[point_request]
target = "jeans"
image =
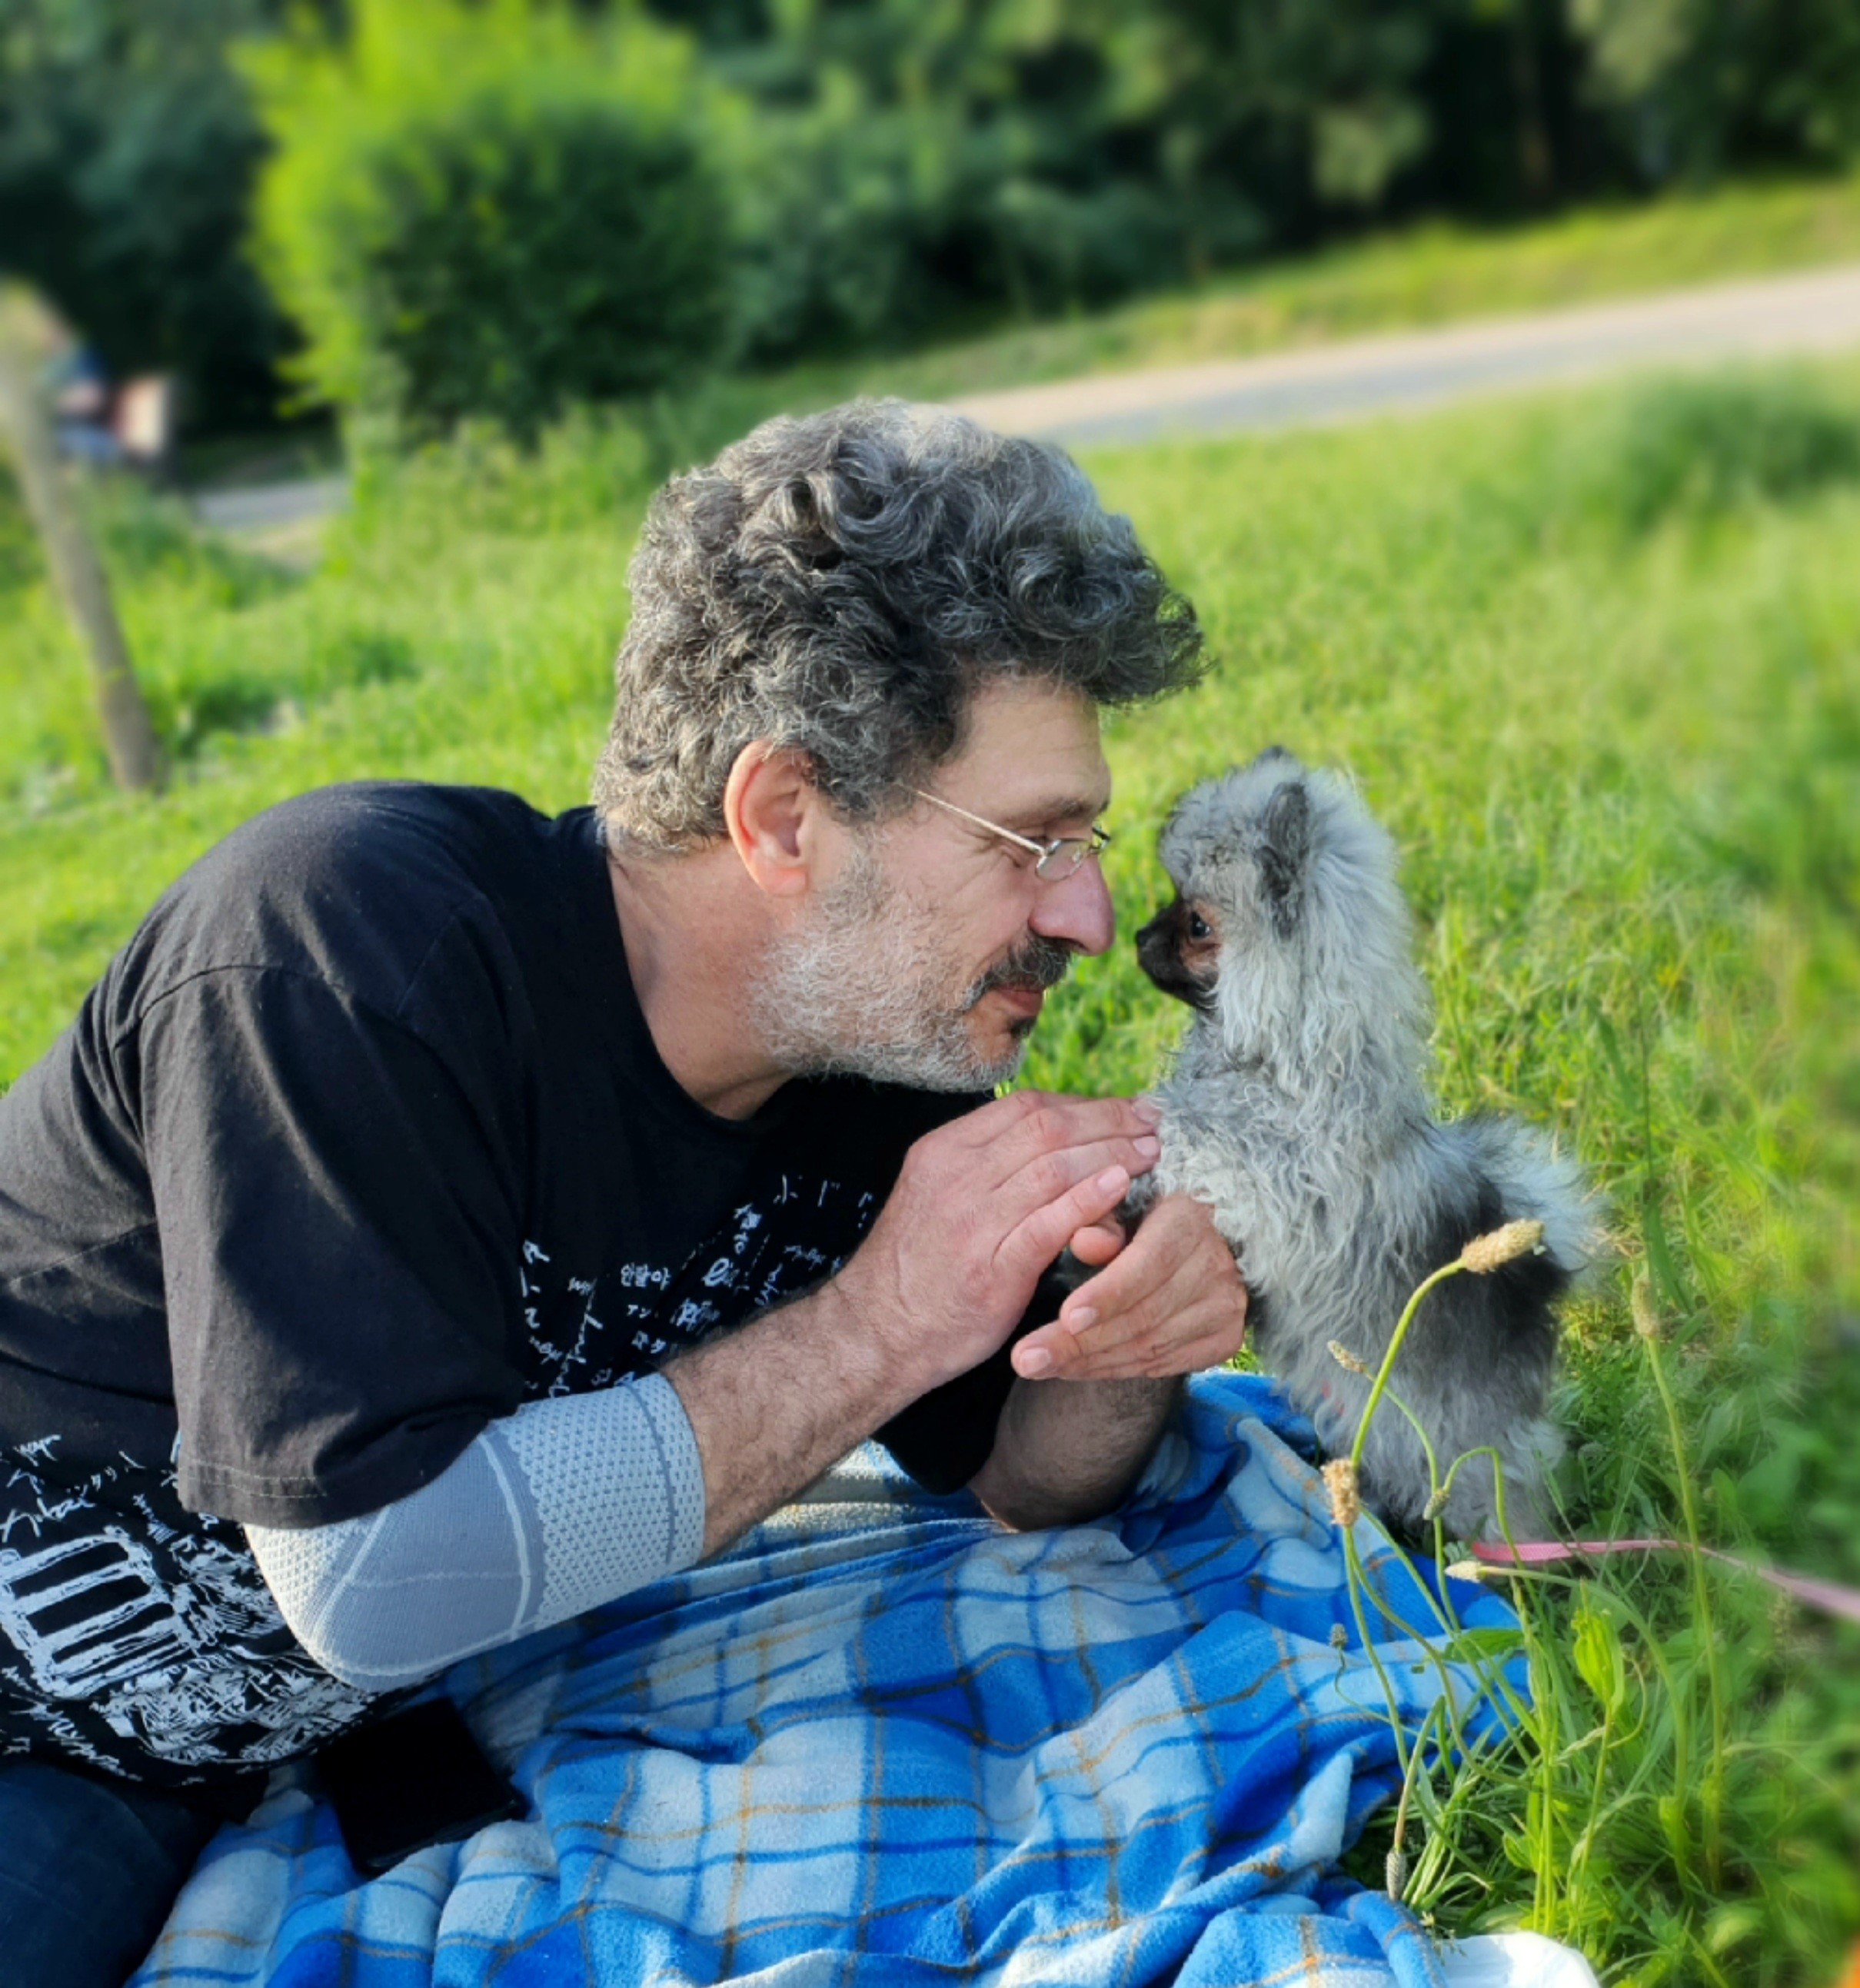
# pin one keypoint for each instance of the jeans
(88, 1871)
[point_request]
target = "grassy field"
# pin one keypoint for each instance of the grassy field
(1596, 659)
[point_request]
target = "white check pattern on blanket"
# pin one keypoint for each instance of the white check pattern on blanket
(885, 1742)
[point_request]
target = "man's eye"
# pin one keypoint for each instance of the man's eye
(1198, 927)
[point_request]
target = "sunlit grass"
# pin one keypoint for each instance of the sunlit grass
(1620, 748)
(1617, 738)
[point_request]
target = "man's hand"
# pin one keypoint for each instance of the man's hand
(982, 1205)
(1169, 1300)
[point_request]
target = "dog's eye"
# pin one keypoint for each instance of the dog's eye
(1198, 927)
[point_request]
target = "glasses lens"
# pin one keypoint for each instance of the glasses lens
(1062, 859)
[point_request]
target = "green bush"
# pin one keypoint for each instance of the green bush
(894, 171)
(1684, 451)
(490, 211)
(1708, 445)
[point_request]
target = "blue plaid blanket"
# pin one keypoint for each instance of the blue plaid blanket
(883, 1742)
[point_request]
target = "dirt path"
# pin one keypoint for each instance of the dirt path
(1772, 317)
(267, 506)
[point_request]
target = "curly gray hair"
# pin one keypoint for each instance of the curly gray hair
(841, 584)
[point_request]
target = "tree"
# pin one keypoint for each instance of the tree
(1699, 86)
(127, 150)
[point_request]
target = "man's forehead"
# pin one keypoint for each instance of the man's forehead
(1032, 753)
(1036, 810)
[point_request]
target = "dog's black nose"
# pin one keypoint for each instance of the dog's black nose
(1160, 958)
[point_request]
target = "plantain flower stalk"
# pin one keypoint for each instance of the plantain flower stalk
(1484, 1254)
(1346, 1500)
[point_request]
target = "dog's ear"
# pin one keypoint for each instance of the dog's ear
(1284, 850)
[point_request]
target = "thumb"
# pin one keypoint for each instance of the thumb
(1097, 1245)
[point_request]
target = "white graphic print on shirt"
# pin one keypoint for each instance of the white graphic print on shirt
(140, 1637)
(170, 1639)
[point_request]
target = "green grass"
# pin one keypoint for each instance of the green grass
(1595, 658)
(1603, 679)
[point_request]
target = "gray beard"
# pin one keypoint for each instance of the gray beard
(860, 991)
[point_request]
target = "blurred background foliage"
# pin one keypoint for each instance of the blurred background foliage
(447, 196)
(128, 151)
(489, 210)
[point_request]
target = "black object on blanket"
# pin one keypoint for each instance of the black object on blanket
(415, 1778)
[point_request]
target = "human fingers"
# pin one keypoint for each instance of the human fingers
(1173, 1284)
(1042, 1232)
(1208, 1334)
(1164, 1270)
(1129, 1335)
(1178, 1258)
(1004, 1136)
(953, 1259)
(1212, 1349)
(1095, 1245)
(1201, 1336)
(1047, 1175)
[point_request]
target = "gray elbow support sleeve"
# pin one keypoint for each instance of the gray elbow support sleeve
(551, 1511)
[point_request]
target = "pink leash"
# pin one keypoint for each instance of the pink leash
(1829, 1595)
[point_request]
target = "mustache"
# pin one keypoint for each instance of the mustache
(1037, 962)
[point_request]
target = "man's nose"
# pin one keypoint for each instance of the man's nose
(1079, 909)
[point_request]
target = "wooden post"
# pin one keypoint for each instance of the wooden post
(129, 735)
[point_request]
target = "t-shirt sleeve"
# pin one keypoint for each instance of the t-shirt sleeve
(340, 1250)
(944, 1437)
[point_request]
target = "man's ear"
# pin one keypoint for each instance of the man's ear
(770, 805)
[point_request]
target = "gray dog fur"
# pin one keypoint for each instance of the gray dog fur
(1296, 1108)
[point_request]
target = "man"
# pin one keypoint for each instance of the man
(440, 1219)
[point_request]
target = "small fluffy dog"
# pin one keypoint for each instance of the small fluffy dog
(1295, 1108)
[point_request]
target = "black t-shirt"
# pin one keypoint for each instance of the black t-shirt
(361, 1141)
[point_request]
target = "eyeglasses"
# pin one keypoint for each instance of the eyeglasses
(1058, 859)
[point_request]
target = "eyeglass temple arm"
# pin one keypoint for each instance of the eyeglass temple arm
(1041, 849)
